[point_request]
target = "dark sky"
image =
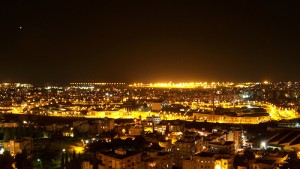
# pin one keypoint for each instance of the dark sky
(148, 41)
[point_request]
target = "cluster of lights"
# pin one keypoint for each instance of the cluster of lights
(183, 85)
(97, 84)
(15, 85)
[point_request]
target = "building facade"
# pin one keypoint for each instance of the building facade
(121, 159)
(18, 146)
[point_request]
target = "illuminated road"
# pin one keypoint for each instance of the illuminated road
(275, 113)
(281, 113)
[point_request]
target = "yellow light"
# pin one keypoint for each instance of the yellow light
(78, 149)
(217, 166)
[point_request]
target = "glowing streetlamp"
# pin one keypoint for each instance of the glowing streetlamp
(263, 144)
(40, 162)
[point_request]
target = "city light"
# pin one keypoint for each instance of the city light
(168, 84)
(263, 145)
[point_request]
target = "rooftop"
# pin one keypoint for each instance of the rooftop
(119, 155)
(264, 161)
(205, 154)
(222, 143)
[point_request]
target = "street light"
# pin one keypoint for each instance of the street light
(263, 145)
(40, 162)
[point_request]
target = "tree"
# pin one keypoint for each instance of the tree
(7, 135)
(83, 112)
(239, 161)
(293, 160)
(22, 161)
(293, 155)
(74, 164)
(14, 132)
(76, 132)
(96, 163)
(249, 154)
(139, 142)
(62, 161)
(19, 161)
(19, 132)
(6, 160)
(74, 155)
(67, 157)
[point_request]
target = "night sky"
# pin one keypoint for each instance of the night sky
(48, 41)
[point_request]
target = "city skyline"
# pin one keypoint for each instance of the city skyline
(59, 43)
